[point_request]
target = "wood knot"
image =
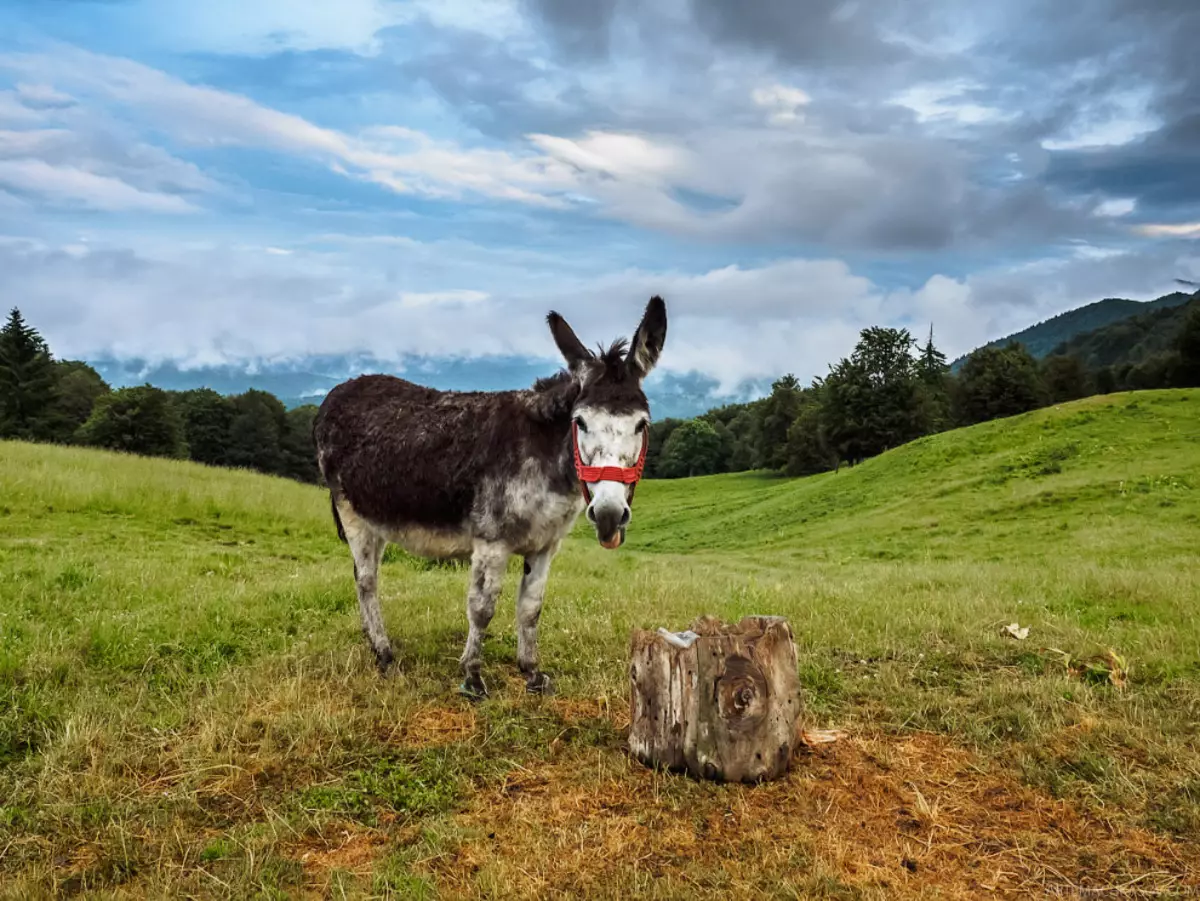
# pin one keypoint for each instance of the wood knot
(741, 693)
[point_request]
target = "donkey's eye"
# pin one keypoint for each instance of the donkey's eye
(640, 427)
(579, 422)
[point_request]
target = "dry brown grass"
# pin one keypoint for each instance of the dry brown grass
(886, 816)
(343, 846)
(431, 725)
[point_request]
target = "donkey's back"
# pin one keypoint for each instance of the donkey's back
(398, 453)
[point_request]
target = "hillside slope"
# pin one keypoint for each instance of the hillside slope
(1115, 476)
(1131, 341)
(186, 700)
(1041, 339)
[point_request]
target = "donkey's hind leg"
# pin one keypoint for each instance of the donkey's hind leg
(367, 546)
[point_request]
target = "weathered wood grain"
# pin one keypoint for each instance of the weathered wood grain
(720, 702)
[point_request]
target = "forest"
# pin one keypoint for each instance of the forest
(890, 390)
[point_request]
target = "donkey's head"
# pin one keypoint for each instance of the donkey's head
(611, 417)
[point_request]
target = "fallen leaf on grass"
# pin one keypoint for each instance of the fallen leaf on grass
(1108, 667)
(821, 736)
(1012, 630)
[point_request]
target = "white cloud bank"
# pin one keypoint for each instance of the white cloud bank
(228, 305)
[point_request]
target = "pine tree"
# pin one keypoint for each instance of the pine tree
(931, 365)
(934, 374)
(1188, 348)
(26, 379)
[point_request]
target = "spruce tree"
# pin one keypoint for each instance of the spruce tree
(1188, 347)
(931, 365)
(26, 379)
(934, 374)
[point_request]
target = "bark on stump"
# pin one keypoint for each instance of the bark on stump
(721, 702)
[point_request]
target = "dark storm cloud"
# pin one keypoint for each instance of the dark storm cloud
(489, 85)
(1039, 71)
(579, 27)
(823, 32)
(1161, 170)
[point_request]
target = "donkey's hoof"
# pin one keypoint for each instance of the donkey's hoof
(539, 683)
(473, 689)
(384, 659)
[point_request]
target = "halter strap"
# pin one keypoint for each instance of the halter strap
(630, 475)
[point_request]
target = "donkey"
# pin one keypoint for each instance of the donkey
(485, 475)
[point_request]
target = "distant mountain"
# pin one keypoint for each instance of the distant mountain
(308, 380)
(1131, 341)
(1041, 339)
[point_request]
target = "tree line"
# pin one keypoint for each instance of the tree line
(68, 402)
(892, 389)
(889, 391)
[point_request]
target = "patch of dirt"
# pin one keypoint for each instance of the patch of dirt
(575, 709)
(881, 817)
(430, 726)
(342, 846)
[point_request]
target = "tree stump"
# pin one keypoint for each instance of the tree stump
(720, 701)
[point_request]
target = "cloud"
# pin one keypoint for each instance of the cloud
(1172, 230)
(68, 184)
(459, 298)
(401, 159)
(783, 174)
(783, 102)
(940, 102)
(581, 28)
(732, 323)
(823, 179)
(43, 96)
(823, 31)
(13, 110)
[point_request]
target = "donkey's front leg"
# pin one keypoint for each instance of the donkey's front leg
(529, 611)
(488, 560)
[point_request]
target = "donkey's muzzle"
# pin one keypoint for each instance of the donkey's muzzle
(610, 524)
(616, 541)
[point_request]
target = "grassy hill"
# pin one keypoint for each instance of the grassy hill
(1042, 339)
(187, 708)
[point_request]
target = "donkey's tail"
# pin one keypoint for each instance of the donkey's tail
(337, 520)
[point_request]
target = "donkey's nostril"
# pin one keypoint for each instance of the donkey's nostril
(625, 517)
(591, 513)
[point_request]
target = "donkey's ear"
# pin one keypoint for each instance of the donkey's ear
(569, 345)
(649, 338)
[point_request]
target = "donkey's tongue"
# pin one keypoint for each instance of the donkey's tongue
(612, 543)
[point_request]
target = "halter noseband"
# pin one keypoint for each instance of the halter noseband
(630, 475)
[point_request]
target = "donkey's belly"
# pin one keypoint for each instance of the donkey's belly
(433, 543)
(527, 522)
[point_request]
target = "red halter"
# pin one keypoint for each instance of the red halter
(630, 475)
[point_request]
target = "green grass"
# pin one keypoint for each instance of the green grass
(186, 702)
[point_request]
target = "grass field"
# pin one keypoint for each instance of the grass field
(187, 708)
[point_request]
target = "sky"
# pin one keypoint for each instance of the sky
(233, 182)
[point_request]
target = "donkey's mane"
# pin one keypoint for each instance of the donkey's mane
(612, 358)
(550, 382)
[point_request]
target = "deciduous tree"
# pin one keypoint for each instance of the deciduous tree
(996, 382)
(140, 420)
(694, 449)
